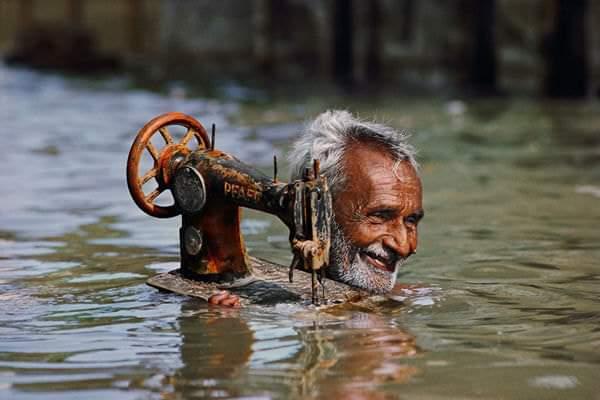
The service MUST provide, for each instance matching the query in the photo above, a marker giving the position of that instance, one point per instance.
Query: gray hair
(327, 137)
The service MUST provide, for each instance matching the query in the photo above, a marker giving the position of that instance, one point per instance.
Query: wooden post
(75, 12)
(373, 62)
(263, 36)
(324, 33)
(136, 25)
(25, 13)
(566, 51)
(343, 59)
(478, 54)
(483, 64)
(407, 20)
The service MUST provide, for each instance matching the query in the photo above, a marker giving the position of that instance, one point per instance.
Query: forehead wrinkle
(374, 177)
(400, 204)
(396, 195)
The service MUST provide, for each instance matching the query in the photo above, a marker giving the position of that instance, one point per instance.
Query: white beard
(347, 266)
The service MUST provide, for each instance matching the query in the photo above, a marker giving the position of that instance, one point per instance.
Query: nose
(401, 240)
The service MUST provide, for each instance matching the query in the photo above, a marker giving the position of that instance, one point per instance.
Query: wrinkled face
(376, 217)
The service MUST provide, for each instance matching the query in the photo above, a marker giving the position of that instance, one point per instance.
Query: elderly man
(377, 198)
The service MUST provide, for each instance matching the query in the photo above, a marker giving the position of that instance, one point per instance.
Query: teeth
(377, 257)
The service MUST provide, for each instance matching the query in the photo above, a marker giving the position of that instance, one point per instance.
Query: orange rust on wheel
(160, 171)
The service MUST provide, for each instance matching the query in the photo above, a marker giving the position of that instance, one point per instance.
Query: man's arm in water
(224, 298)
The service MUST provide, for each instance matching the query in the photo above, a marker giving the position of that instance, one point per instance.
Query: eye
(375, 219)
(413, 219)
(380, 216)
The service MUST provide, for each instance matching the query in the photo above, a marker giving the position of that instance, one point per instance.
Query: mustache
(382, 251)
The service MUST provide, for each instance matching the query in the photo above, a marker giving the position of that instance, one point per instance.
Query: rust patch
(142, 143)
(216, 251)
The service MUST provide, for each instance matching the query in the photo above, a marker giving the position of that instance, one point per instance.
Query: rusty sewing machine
(209, 187)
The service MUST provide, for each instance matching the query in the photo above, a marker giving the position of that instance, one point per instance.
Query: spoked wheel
(162, 159)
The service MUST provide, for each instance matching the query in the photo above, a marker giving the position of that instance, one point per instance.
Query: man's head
(376, 196)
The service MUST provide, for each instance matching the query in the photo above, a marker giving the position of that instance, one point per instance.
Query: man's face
(376, 217)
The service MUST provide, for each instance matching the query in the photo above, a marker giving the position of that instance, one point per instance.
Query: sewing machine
(209, 187)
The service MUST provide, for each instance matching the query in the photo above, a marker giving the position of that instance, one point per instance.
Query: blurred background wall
(534, 47)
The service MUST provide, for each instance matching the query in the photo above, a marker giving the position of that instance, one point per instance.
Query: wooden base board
(268, 285)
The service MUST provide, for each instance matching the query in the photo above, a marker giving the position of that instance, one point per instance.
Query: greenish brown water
(508, 263)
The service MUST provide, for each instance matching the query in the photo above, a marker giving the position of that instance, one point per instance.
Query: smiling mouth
(380, 262)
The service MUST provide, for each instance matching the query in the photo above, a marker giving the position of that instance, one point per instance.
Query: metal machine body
(210, 187)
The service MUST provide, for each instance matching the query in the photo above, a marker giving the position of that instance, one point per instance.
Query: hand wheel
(161, 158)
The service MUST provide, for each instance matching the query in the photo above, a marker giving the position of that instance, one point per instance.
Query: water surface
(508, 263)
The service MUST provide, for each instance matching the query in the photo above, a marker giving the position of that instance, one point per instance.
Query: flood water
(508, 267)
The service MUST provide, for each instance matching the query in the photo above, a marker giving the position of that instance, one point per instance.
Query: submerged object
(268, 285)
(209, 187)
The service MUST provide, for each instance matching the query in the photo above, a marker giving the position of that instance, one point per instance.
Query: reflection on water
(227, 352)
(507, 302)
